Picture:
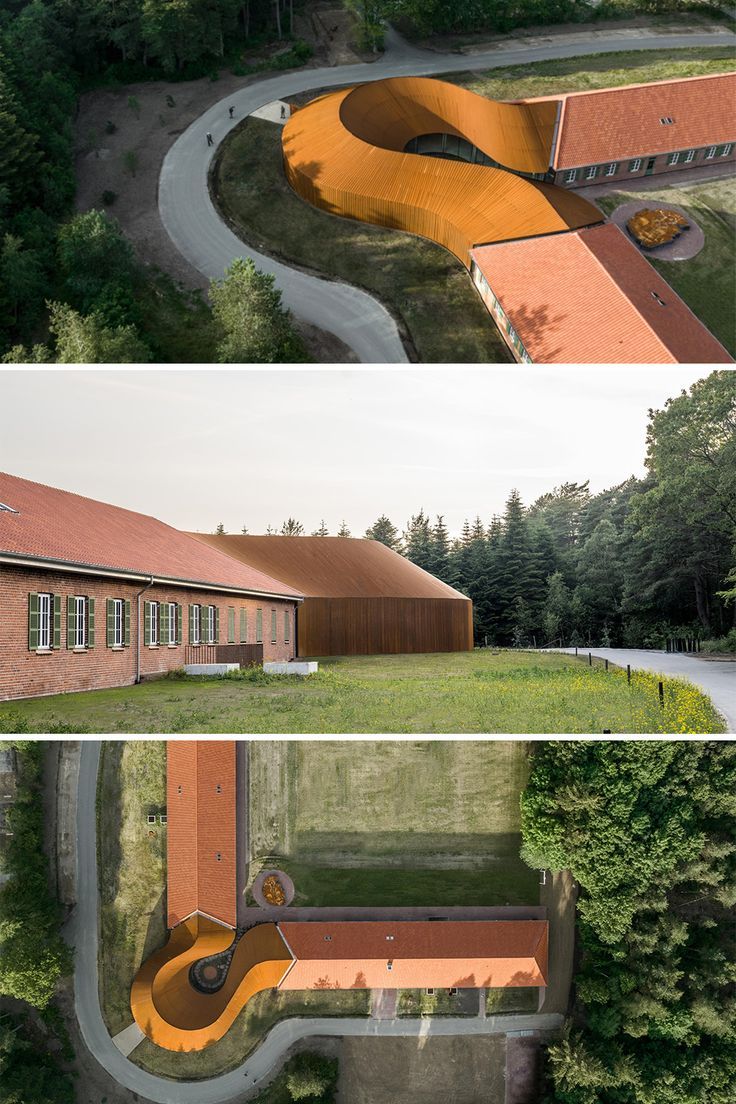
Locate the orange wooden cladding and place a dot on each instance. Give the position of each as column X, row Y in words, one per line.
column 362, row 598
column 344, row 152
column 176, row 1016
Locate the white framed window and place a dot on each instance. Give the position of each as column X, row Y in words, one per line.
column 571, row 176
column 154, row 622
column 689, row 156
column 273, row 627
column 118, row 623
column 210, row 624
column 726, row 149
column 673, row 158
column 80, row 621
column 710, row 153
column 591, row 172
column 44, row 620
column 196, row 625
column 173, row 635
column 611, row 169
column 635, row 165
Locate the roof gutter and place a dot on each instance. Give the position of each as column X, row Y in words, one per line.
column 20, row 560
column 555, row 135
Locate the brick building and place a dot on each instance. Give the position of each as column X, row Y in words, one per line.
column 95, row 596
column 638, row 130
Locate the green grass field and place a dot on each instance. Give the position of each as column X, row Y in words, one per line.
column 131, row 862
column 424, row 286
column 480, row 691
column 392, row 823
column 707, row 282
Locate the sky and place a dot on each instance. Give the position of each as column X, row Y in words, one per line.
column 253, row 447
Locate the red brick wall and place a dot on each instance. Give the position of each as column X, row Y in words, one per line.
column 27, row 674
column 660, row 168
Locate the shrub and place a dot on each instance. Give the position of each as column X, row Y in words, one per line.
column 721, row 644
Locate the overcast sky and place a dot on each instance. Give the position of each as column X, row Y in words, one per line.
column 253, row 447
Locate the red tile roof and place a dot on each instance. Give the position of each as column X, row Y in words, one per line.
column 463, row 953
column 591, row 297
column 59, row 526
column 201, row 825
column 613, row 124
column 335, row 567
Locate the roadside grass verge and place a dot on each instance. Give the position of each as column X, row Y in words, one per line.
column 707, row 282
column 131, row 868
column 259, row 1015
column 479, row 691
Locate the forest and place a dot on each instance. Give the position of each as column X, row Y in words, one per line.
column 646, row 830
column 631, row 566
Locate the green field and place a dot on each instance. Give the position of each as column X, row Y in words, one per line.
column 131, row 863
column 707, row 282
column 480, row 691
column 426, row 288
column 389, row 823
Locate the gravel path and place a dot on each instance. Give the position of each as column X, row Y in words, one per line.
column 356, row 318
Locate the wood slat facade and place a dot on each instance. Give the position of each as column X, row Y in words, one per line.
column 383, row 626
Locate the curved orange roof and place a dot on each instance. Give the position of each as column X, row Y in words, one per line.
column 176, row 1016
column 344, row 152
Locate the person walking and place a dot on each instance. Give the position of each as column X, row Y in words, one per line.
column 230, row 111
column 210, row 140
column 283, row 112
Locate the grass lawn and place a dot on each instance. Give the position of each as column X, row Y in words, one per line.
column 479, row 691
column 259, row 1015
column 501, row 1001
column 420, row 282
column 131, row 859
column 418, row 1002
column 707, row 282
column 392, row 823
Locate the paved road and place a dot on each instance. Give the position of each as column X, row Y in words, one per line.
column 198, row 232
column 716, row 677
column 82, row 933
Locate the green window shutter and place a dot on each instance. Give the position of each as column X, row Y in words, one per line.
column 179, row 611
column 32, row 622
column 126, row 637
column 146, row 623
column 163, row 623
column 110, row 622
column 217, row 624
column 191, row 624
column 286, row 626
column 259, row 626
column 90, row 622
column 231, row 624
column 273, row 627
column 71, row 620
column 243, row 627
column 57, row 621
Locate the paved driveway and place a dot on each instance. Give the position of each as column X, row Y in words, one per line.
column 359, row 320
column 716, row 677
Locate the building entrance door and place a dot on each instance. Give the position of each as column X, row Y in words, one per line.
column 650, row 166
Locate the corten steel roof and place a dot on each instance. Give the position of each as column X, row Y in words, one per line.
column 344, row 152
column 200, row 826
column 178, row 1017
column 591, row 297
column 58, row 527
column 612, row 124
column 466, row 953
column 335, row 567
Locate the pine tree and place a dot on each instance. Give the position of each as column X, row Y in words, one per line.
column 417, row 541
column 292, row 528
column 220, row 529
column 385, row 531
column 323, row 531
column 255, row 327
column 343, row 531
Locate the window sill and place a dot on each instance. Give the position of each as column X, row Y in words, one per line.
column 79, row 648
column 172, row 645
column 117, row 647
column 152, row 647
column 44, row 651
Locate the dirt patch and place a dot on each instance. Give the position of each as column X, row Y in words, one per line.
column 522, row 1070
column 559, row 895
column 428, row 1070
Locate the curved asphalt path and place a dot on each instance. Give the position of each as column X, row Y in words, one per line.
column 717, row 678
column 355, row 317
column 82, row 933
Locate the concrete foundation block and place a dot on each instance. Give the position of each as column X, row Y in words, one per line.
column 296, row 668
column 210, row 668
